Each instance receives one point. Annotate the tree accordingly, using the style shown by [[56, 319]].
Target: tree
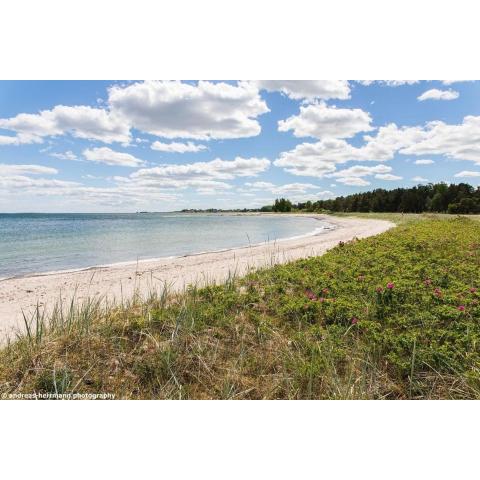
[[282, 205], [440, 197]]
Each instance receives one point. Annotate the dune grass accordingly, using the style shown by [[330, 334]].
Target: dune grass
[[394, 316]]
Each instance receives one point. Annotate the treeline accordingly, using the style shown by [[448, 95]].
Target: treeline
[[440, 197]]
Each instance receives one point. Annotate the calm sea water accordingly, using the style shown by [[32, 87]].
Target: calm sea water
[[34, 243]]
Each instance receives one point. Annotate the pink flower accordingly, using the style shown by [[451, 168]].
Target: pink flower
[[473, 290], [310, 295], [379, 290], [390, 285], [437, 292], [428, 282], [354, 320], [461, 308]]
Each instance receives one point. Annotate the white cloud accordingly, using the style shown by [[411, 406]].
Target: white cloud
[[387, 176], [21, 183], [467, 173], [424, 162], [214, 170], [18, 139], [80, 121], [354, 175], [361, 171], [436, 94], [260, 185], [92, 177], [120, 195], [111, 157], [319, 159], [313, 196], [168, 109], [176, 147], [321, 121], [289, 188], [173, 109], [419, 179], [398, 83], [460, 142], [324, 195], [6, 169], [389, 83], [207, 191], [354, 181], [69, 155], [451, 82], [307, 89]]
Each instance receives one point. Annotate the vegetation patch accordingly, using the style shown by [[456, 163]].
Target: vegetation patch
[[391, 316]]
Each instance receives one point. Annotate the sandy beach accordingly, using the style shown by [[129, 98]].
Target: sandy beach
[[122, 280]]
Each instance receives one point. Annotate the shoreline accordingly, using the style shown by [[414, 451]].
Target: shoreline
[[119, 281], [317, 231]]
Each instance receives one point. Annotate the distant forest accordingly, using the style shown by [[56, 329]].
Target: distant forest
[[440, 197]]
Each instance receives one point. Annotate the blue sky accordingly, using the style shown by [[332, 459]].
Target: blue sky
[[98, 146]]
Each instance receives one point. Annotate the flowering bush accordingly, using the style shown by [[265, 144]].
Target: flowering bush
[[414, 287]]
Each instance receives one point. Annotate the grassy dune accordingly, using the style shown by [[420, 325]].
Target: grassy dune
[[393, 316]]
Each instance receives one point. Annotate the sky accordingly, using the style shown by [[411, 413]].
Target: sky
[[123, 146]]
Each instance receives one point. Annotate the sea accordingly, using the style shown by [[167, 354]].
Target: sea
[[33, 243]]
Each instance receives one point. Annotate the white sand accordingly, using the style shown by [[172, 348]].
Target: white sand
[[120, 281]]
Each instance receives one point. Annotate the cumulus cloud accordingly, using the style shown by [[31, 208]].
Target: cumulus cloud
[[436, 94], [307, 89], [320, 121], [451, 82], [110, 157], [217, 169], [7, 169], [321, 158], [173, 109], [119, 195], [206, 177], [177, 147], [467, 174], [69, 155], [18, 139], [460, 142], [79, 121], [354, 181], [388, 176], [169, 109], [353, 176], [361, 171], [389, 83], [311, 196], [289, 188], [260, 185], [207, 191], [420, 179], [41, 186], [424, 162]]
